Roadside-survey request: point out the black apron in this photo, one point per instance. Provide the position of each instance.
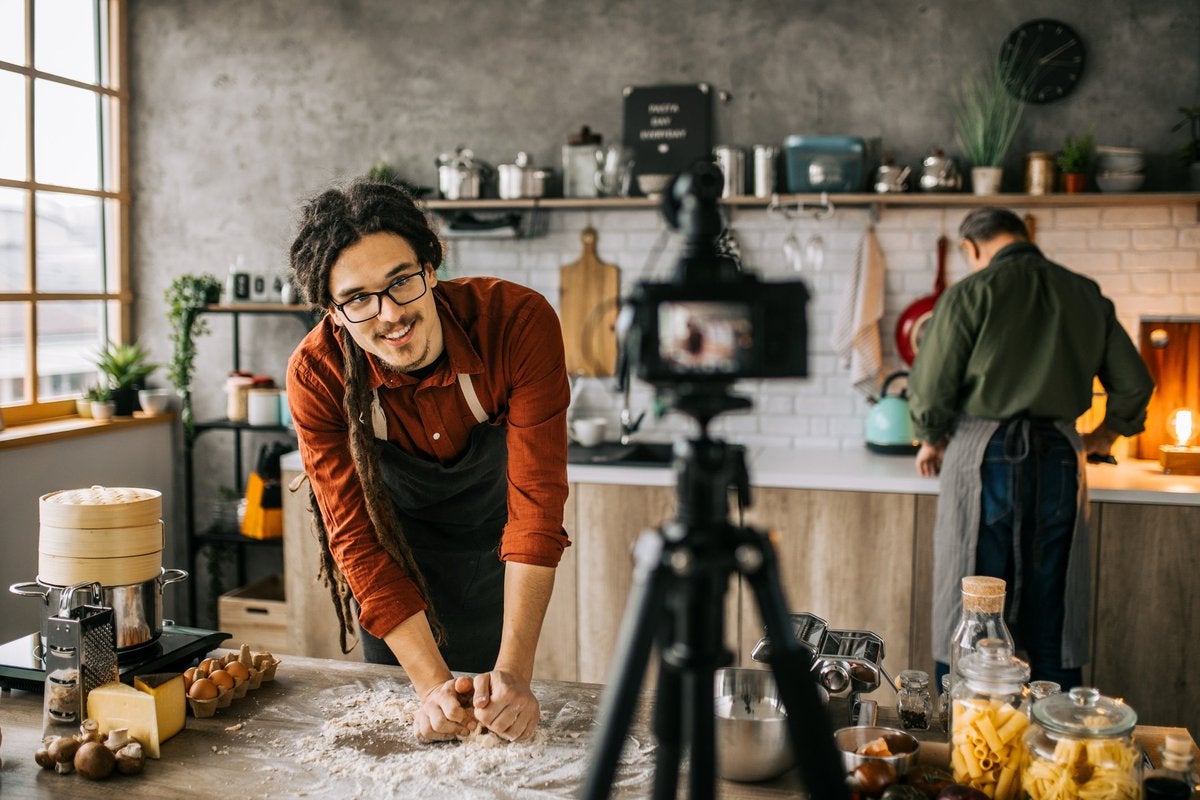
(453, 516)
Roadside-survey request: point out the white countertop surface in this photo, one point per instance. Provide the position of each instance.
(1131, 481)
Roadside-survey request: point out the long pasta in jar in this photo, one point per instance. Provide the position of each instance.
(1080, 745)
(989, 717)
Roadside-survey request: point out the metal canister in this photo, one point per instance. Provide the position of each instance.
(732, 161)
(1039, 172)
(766, 157)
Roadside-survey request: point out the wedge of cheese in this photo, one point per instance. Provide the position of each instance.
(152, 714)
(170, 700)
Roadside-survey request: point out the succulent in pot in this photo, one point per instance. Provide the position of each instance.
(125, 368)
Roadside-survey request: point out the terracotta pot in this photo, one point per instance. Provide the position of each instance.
(1074, 182)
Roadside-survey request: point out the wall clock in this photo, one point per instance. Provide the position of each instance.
(1044, 60)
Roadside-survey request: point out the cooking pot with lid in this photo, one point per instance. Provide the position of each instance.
(137, 607)
(889, 427)
(461, 176)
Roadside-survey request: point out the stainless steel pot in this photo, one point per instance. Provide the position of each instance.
(461, 176)
(137, 607)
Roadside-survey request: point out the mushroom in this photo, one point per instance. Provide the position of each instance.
(43, 758)
(89, 731)
(131, 758)
(62, 749)
(117, 738)
(94, 761)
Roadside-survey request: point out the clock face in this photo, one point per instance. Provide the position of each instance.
(1045, 60)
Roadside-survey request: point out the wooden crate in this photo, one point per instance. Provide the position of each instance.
(256, 614)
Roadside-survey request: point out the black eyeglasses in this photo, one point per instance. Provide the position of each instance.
(367, 305)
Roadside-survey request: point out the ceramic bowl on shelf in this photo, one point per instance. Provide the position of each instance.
(155, 401)
(1119, 159)
(1119, 181)
(653, 184)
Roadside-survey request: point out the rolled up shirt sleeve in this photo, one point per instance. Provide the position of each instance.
(1126, 381)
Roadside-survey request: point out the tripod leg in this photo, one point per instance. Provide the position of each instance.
(703, 764)
(808, 723)
(668, 731)
(638, 627)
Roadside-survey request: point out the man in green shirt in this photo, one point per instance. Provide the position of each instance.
(1006, 365)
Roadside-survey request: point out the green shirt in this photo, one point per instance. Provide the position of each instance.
(1025, 336)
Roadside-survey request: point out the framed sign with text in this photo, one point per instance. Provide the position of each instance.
(668, 127)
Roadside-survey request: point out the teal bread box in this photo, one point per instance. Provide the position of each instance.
(825, 163)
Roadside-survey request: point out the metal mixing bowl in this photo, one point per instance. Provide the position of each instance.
(903, 745)
(751, 726)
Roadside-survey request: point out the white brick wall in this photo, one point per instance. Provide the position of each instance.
(1145, 258)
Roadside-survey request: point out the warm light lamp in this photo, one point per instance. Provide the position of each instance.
(1180, 458)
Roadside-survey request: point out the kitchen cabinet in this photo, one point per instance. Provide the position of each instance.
(1147, 617)
(214, 531)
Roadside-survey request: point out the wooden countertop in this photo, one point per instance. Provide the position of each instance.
(340, 729)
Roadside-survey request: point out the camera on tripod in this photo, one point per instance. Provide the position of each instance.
(714, 322)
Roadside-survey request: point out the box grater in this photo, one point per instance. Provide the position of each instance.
(81, 654)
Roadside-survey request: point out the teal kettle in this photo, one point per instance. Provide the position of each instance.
(889, 427)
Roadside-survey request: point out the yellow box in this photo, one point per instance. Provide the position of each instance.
(256, 614)
(259, 522)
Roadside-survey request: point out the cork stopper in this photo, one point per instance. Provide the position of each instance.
(1177, 752)
(982, 594)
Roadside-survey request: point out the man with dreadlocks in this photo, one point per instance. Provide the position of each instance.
(431, 417)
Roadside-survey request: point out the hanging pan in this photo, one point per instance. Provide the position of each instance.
(911, 325)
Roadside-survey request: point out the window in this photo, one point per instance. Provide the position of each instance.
(64, 199)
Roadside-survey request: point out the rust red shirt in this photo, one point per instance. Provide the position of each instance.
(508, 339)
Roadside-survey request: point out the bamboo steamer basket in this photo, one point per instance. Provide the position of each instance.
(107, 534)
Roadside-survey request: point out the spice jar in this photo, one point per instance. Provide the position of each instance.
(1039, 172)
(944, 706)
(582, 158)
(913, 702)
(237, 389)
(989, 715)
(1081, 745)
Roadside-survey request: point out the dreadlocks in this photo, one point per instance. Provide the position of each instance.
(331, 222)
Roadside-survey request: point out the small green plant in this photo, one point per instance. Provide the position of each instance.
(988, 114)
(383, 172)
(98, 393)
(125, 366)
(1189, 151)
(1076, 154)
(185, 297)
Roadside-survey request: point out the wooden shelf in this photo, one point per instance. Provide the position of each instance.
(908, 199)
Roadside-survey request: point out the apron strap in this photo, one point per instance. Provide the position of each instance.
(379, 420)
(468, 390)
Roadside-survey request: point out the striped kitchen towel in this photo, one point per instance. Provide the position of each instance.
(856, 337)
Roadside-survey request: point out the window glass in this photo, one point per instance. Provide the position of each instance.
(64, 38)
(12, 31)
(70, 333)
(70, 249)
(12, 240)
(12, 125)
(66, 135)
(12, 353)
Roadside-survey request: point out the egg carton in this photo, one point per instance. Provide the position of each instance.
(251, 672)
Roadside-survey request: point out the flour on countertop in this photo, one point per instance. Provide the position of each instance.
(368, 747)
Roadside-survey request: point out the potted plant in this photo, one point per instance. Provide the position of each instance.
(1073, 161)
(102, 405)
(125, 367)
(185, 297)
(1190, 150)
(986, 118)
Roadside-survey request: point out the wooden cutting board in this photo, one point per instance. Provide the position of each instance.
(589, 297)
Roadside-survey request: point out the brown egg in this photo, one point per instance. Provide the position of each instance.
(238, 670)
(189, 676)
(210, 664)
(203, 689)
(222, 679)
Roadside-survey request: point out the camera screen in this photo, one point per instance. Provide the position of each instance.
(702, 337)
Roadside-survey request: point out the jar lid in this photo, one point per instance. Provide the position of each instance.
(585, 136)
(993, 668)
(914, 678)
(982, 593)
(1086, 713)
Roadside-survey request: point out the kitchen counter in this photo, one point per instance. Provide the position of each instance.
(341, 729)
(1131, 481)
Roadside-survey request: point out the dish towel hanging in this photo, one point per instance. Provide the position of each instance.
(856, 338)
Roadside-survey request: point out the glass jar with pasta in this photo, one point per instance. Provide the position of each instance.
(988, 718)
(1080, 745)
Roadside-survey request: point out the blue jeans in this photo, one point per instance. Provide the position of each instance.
(1027, 522)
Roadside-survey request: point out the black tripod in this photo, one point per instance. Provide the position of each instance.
(681, 576)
